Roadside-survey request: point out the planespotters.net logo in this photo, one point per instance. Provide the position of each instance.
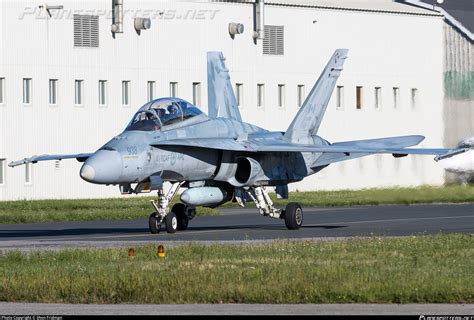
(38, 12)
(432, 317)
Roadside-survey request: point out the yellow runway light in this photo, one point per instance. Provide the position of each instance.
(160, 252)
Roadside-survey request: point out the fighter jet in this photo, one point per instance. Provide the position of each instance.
(219, 158)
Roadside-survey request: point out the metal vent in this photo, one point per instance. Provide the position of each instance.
(86, 31)
(274, 40)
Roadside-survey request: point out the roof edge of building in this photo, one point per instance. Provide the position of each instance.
(423, 11)
(449, 18)
(347, 8)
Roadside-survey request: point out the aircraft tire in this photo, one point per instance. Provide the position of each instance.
(293, 216)
(171, 222)
(179, 210)
(154, 224)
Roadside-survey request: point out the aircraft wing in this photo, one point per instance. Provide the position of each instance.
(81, 157)
(394, 145)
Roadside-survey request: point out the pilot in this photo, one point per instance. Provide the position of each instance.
(161, 113)
(172, 109)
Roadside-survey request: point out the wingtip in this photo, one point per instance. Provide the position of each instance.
(343, 53)
(211, 54)
(16, 163)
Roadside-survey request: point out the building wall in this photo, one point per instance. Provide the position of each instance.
(386, 50)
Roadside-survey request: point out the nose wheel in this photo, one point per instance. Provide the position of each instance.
(154, 223)
(175, 219)
(181, 212)
(171, 222)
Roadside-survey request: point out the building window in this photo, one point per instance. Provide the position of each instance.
(239, 94)
(28, 173)
(359, 96)
(281, 95)
(378, 97)
(260, 95)
(173, 89)
(27, 90)
(102, 92)
(301, 95)
(396, 97)
(414, 98)
(79, 89)
(151, 90)
(197, 93)
(86, 31)
(125, 93)
(2, 90)
(2, 172)
(53, 92)
(340, 97)
(274, 40)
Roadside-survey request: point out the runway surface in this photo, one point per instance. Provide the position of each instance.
(236, 309)
(245, 225)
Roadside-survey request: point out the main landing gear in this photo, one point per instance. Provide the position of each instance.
(292, 214)
(175, 219)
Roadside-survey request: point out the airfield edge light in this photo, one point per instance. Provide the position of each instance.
(131, 253)
(160, 252)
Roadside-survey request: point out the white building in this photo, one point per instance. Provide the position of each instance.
(68, 86)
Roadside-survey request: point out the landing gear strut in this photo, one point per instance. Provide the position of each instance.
(175, 219)
(293, 213)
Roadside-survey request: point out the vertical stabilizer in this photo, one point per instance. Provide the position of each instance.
(222, 102)
(308, 119)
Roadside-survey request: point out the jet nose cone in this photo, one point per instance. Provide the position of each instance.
(87, 172)
(103, 167)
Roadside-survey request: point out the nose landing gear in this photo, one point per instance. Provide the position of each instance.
(175, 219)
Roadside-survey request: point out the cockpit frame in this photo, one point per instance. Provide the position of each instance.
(162, 112)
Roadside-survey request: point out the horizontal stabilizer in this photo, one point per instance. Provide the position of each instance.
(81, 157)
(390, 142)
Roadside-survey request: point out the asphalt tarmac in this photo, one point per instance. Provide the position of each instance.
(247, 226)
(239, 309)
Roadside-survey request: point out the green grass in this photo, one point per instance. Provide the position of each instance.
(421, 269)
(129, 208)
(139, 207)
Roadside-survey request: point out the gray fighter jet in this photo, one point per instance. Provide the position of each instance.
(219, 158)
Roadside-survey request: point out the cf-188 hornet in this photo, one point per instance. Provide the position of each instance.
(219, 158)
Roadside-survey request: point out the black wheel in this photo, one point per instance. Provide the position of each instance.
(179, 210)
(293, 216)
(171, 222)
(154, 223)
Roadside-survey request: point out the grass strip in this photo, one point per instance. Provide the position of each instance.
(130, 208)
(418, 269)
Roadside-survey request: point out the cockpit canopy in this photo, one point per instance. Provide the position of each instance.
(162, 112)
